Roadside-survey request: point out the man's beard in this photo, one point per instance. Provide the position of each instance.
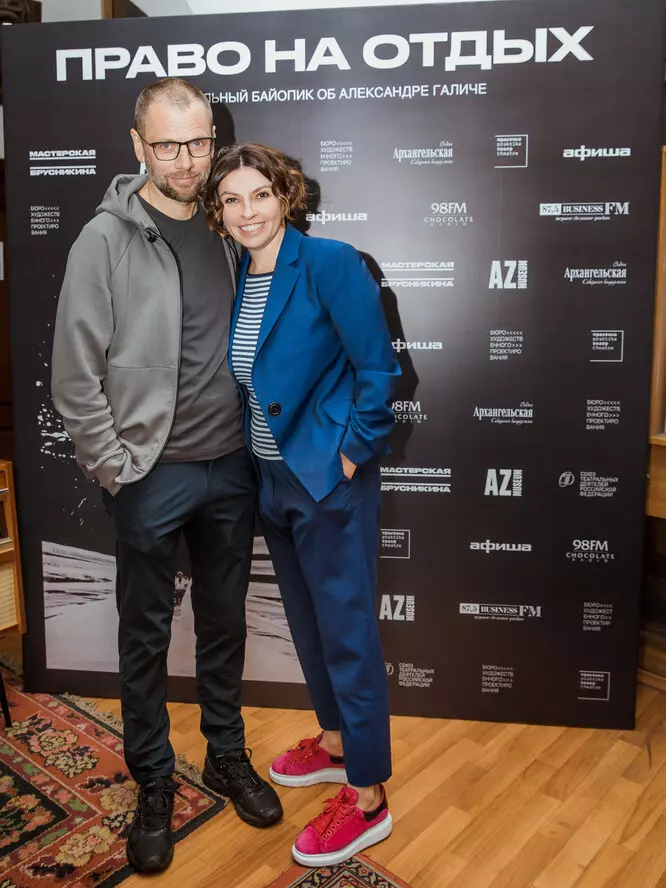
(164, 186)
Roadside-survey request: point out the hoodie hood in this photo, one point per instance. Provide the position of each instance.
(121, 200)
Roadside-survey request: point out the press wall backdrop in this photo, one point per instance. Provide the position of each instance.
(498, 165)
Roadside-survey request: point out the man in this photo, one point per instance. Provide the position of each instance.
(141, 379)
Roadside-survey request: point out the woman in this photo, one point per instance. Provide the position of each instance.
(313, 358)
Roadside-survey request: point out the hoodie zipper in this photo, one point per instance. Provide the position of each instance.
(155, 231)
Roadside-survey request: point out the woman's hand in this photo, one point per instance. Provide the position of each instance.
(348, 467)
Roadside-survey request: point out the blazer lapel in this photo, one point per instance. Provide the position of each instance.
(284, 278)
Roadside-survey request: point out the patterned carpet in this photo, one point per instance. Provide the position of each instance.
(66, 799)
(359, 872)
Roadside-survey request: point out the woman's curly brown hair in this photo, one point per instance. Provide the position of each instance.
(286, 180)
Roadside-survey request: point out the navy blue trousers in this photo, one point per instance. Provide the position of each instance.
(212, 504)
(325, 559)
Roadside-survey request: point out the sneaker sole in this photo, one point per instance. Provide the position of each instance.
(242, 813)
(326, 775)
(135, 866)
(370, 837)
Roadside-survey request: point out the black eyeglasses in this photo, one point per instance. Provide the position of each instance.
(171, 150)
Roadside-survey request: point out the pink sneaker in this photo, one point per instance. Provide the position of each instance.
(342, 830)
(306, 765)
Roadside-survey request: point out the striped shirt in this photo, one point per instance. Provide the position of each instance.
(243, 350)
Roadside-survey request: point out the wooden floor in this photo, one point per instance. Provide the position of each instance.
(474, 805)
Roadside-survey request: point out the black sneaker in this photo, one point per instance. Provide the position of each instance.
(232, 775)
(150, 842)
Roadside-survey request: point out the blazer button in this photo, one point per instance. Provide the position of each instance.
(274, 408)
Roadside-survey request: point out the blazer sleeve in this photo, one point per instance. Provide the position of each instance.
(351, 297)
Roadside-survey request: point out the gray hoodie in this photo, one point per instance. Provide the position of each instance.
(116, 347)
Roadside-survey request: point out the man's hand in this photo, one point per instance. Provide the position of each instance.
(348, 467)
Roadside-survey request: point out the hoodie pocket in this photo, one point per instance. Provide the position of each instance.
(142, 402)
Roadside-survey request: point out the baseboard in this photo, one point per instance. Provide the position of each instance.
(652, 680)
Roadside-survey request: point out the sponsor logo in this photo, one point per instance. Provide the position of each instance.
(395, 543)
(590, 551)
(584, 153)
(428, 345)
(409, 412)
(73, 162)
(335, 155)
(591, 485)
(505, 344)
(390, 668)
(495, 678)
(584, 212)
(411, 676)
(504, 482)
(614, 276)
(44, 219)
(326, 218)
(597, 616)
(607, 346)
(437, 275)
(406, 479)
(508, 274)
(522, 415)
(594, 685)
(487, 546)
(399, 608)
(511, 152)
(440, 156)
(511, 613)
(600, 414)
(449, 214)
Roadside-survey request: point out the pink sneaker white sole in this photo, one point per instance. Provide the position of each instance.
(372, 836)
(324, 775)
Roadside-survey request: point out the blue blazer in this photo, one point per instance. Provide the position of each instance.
(324, 369)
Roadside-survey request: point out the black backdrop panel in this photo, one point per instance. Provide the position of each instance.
(498, 165)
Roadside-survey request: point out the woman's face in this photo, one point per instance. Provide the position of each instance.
(251, 213)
